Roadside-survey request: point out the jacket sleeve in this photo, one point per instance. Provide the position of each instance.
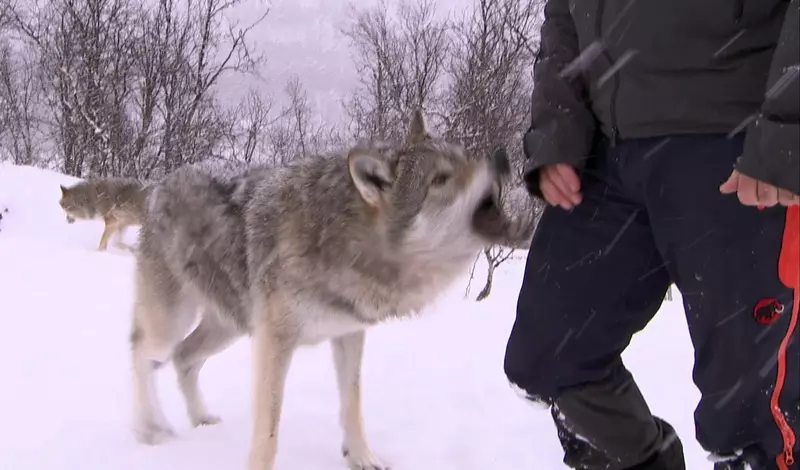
(562, 125)
(772, 145)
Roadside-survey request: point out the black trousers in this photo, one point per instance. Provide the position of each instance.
(652, 215)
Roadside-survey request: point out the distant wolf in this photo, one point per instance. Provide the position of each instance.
(119, 202)
(320, 249)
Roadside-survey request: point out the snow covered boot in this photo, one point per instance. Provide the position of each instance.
(607, 425)
(580, 455)
(752, 458)
(670, 456)
(736, 464)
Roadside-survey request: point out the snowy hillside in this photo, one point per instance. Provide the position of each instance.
(435, 397)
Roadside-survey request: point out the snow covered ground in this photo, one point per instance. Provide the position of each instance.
(435, 397)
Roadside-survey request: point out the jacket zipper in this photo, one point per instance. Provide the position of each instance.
(613, 105)
(738, 11)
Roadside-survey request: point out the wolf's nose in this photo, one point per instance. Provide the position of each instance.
(499, 160)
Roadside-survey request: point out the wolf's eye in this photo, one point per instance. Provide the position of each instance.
(440, 180)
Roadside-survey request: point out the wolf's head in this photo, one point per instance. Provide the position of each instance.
(77, 202)
(428, 191)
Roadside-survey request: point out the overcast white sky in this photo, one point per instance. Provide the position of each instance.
(301, 37)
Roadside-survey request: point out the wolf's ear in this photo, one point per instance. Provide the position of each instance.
(417, 132)
(64, 189)
(371, 174)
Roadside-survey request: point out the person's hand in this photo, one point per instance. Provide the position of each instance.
(560, 185)
(753, 192)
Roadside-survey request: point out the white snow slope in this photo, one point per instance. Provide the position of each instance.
(435, 396)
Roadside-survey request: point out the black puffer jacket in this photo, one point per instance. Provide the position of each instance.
(646, 68)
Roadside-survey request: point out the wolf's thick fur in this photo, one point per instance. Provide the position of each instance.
(119, 202)
(319, 250)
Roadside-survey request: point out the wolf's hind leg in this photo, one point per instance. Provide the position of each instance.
(119, 239)
(150, 424)
(161, 320)
(348, 351)
(210, 337)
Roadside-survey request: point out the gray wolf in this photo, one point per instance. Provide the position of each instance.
(640, 111)
(119, 202)
(318, 250)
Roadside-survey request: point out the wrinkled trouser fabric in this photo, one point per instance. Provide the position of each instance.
(652, 215)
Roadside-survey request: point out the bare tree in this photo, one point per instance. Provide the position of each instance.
(489, 95)
(296, 130)
(5, 14)
(400, 63)
(129, 84)
(20, 124)
(191, 53)
(286, 137)
(247, 128)
(490, 66)
(299, 112)
(82, 49)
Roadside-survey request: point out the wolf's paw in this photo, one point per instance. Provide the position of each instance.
(153, 434)
(207, 420)
(363, 460)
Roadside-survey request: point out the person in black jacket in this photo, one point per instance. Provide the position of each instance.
(647, 117)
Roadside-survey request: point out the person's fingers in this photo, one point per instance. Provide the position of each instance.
(731, 185)
(752, 192)
(552, 194)
(569, 176)
(547, 188)
(551, 189)
(786, 198)
(563, 188)
(571, 184)
(767, 194)
(748, 190)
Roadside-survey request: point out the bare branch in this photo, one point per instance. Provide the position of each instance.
(401, 63)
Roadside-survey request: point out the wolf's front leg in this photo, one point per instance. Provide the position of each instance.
(348, 351)
(272, 354)
(111, 226)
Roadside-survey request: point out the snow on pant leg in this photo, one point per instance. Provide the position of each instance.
(724, 259)
(593, 278)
